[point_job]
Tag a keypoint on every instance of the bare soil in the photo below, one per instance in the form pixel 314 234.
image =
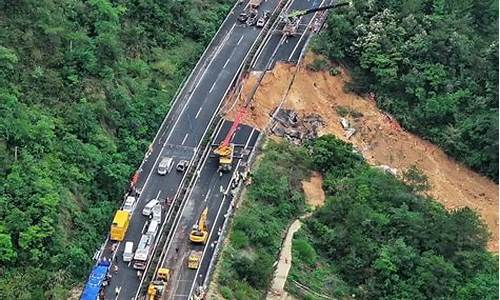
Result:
pixel 313 190
pixel 380 139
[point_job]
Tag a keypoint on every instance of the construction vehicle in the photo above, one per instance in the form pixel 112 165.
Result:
pixel 120 225
pixel 199 234
pixel 163 274
pixel 225 151
pixel 194 259
pixel 156 289
pixel 254 3
pixel 292 19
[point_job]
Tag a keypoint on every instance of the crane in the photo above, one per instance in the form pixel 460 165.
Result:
pixel 292 19
pixel 199 234
pixel 226 149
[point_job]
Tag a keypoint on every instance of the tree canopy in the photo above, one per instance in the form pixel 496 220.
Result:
pixel 433 64
pixel 84 85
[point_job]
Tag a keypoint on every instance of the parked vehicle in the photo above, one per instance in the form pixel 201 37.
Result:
pixel 165 165
pixel 120 225
pixel 254 3
pixel 182 165
pixel 267 14
pixel 156 213
pixel 261 22
pixel 128 252
pixel 252 20
pixel 141 253
pixel 243 17
pixel 148 208
pixel 97 280
pixel 152 229
pixel 129 204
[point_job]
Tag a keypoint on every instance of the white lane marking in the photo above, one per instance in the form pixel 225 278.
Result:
pixel 213 85
pixel 185 138
pixel 117 291
pixel 208 194
pixel 144 227
pixel 198 113
pixel 239 41
pixel 157 196
pixel 196 86
pixel 249 138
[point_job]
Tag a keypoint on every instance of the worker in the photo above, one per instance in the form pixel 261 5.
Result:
pixel 139 274
pixel 117 291
pixel 115 268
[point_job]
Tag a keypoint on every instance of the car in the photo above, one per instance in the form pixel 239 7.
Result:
pixel 243 17
pixel 165 165
pixel 148 208
pixel 252 20
pixel 129 204
pixel 182 165
pixel 261 22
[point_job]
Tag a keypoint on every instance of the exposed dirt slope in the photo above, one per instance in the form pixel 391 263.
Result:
pixel 313 190
pixel 381 140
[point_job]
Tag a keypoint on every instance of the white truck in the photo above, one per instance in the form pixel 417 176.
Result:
pixel 165 165
pixel 142 253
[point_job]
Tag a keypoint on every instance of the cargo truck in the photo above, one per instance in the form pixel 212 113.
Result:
pixel 120 225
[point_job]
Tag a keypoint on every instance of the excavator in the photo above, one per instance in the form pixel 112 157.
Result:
pixel 292 19
pixel 199 234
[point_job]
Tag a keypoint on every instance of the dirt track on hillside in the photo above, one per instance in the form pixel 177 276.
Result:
pixel 380 139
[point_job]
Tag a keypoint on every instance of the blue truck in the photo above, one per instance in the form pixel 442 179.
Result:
pixel 97 280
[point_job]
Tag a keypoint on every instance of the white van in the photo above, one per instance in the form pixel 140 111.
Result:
pixel 148 208
pixel 128 252
pixel 165 165
pixel 152 228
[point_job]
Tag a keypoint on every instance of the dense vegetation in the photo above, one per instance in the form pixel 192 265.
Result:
pixel 375 238
pixel 274 198
pixel 433 64
pixel 83 87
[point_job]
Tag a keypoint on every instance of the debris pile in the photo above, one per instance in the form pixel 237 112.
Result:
pixel 288 124
pixel 348 130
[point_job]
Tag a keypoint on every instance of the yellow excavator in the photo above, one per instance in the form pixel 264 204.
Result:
pixel 199 234
pixel 157 288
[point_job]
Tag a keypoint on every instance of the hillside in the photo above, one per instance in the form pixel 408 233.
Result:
pixel 374 238
pixel 83 87
pixel 432 64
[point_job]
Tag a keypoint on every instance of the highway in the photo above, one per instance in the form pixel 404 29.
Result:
pixel 209 190
pixel 180 135
pixel 214 191
pixel 288 49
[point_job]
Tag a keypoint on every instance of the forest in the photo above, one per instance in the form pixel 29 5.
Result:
pixel 432 64
pixel 84 85
pixel 376 237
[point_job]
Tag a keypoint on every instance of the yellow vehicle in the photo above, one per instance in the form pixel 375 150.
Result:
pixel 163 274
pixel 199 234
pixel 120 225
pixel 194 259
pixel 225 153
pixel 156 289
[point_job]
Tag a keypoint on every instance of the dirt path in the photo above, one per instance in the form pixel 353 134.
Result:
pixel 381 140
pixel 313 189
pixel 284 264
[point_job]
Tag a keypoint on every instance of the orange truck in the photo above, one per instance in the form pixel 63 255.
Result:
pixel 120 225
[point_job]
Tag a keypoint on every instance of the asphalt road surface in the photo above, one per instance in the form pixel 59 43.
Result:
pixel 289 49
pixel 213 191
pixel 180 136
